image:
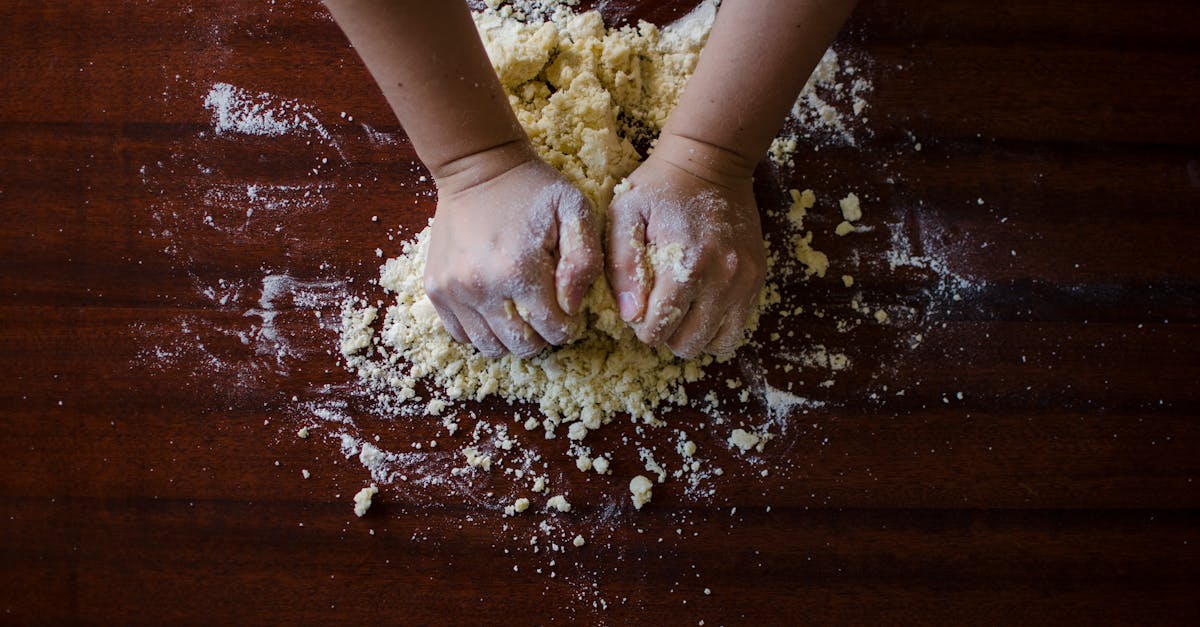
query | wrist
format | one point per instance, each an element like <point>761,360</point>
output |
<point>475,168</point>
<point>714,163</point>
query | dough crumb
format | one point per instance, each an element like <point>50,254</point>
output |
<point>851,210</point>
<point>847,280</point>
<point>642,489</point>
<point>559,503</point>
<point>746,440</point>
<point>518,506</point>
<point>579,541</point>
<point>782,151</point>
<point>362,500</point>
<point>476,460</point>
<point>802,201</point>
<point>815,261</point>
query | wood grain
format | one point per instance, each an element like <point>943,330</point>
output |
<point>144,488</point>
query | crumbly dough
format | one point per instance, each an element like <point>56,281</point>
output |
<point>669,261</point>
<point>585,94</point>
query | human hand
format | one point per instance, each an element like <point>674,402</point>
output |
<point>695,207</point>
<point>511,257</point>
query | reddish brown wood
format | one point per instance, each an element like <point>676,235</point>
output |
<point>1061,488</point>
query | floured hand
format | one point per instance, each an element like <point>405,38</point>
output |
<point>685,251</point>
<point>511,258</point>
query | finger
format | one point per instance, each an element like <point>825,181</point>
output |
<point>733,329</point>
<point>536,304</point>
<point>453,326</point>
<point>698,328</point>
<point>480,333</point>
<point>667,306</point>
<point>729,336</point>
<point>580,259</point>
<point>512,331</point>
<point>627,273</point>
<point>441,304</point>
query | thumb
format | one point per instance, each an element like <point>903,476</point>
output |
<point>627,272</point>
<point>579,256</point>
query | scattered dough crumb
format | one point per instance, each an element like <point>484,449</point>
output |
<point>851,210</point>
<point>517,507</point>
<point>362,500</point>
<point>802,201</point>
<point>642,489</point>
<point>559,503</point>
<point>475,460</point>
<point>745,440</point>
<point>578,541</point>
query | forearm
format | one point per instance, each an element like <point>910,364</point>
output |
<point>757,59</point>
<point>428,60</point>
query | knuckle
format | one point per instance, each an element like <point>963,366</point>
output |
<point>732,263</point>
<point>434,287</point>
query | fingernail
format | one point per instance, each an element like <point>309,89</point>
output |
<point>628,305</point>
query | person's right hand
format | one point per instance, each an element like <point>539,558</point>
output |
<point>512,254</point>
<point>689,196</point>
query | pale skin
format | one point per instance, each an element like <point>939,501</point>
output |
<point>514,250</point>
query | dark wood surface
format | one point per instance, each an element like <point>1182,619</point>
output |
<point>140,485</point>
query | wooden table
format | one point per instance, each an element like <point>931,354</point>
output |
<point>150,472</point>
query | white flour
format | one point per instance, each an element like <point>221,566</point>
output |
<point>236,110</point>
